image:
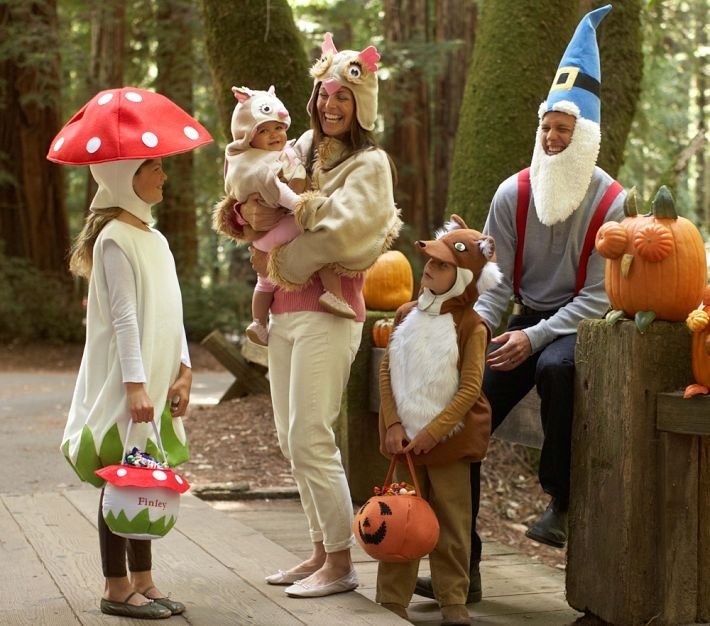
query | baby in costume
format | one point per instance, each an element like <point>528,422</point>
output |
<point>259,160</point>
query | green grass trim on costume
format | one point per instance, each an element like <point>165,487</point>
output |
<point>87,461</point>
<point>140,524</point>
<point>176,451</point>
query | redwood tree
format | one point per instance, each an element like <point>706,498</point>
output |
<point>33,218</point>
<point>176,213</point>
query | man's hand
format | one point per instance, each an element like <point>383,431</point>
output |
<point>261,217</point>
<point>515,348</point>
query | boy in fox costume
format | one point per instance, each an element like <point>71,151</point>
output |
<point>432,406</point>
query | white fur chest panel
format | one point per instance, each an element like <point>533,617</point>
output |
<point>423,359</point>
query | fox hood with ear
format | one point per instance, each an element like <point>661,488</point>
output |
<point>472,253</point>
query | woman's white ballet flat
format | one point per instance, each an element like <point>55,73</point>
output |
<point>303,589</point>
<point>287,578</point>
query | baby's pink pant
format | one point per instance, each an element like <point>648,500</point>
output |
<point>284,231</point>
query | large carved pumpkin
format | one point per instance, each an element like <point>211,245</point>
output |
<point>396,528</point>
<point>389,282</point>
<point>656,265</point>
<point>699,323</point>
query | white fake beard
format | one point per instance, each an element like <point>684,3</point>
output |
<point>560,182</point>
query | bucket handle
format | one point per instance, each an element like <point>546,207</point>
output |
<point>157,439</point>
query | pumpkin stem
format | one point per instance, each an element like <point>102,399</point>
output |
<point>630,203</point>
<point>664,205</point>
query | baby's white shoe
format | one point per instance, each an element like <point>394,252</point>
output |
<point>257,333</point>
<point>337,306</point>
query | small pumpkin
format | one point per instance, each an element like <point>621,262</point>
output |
<point>389,282</point>
<point>700,347</point>
<point>661,272</point>
<point>611,240</point>
<point>381,331</point>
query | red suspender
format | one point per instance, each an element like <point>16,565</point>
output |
<point>521,218</point>
<point>597,220</point>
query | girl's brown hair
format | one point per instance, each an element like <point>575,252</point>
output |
<point>81,257</point>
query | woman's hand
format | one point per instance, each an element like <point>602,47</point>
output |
<point>395,438</point>
<point>261,218</point>
<point>422,442</point>
<point>514,349</point>
<point>139,403</point>
<point>259,261</point>
<point>179,392</point>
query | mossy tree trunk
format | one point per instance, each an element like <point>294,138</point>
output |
<point>622,68</point>
<point>177,217</point>
<point>256,44</point>
<point>518,48</point>
<point>33,216</point>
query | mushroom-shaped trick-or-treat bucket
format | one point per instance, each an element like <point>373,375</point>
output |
<point>126,123</point>
<point>141,502</point>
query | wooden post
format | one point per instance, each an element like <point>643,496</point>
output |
<point>633,542</point>
<point>250,377</point>
<point>357,431</point>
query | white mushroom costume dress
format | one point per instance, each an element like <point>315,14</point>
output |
<point>114,133</point>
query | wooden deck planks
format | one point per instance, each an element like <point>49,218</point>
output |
<point>29,595</point>
<point>517,589</point>
<point>215,561</point>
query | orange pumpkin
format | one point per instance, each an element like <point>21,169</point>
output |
<point>389,282</point>
<point>697,322</point>
<point>397,528</point>
<point>381,331</point>
<point>660,270</point>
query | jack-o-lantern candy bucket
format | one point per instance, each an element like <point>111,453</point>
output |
<point>141,500</point>
<point>396,524</point>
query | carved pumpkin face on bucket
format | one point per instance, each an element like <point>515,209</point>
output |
<point>396,528</point>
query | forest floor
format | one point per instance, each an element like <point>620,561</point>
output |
<point>235,442</point>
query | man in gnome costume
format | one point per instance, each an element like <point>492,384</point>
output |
<point>432,406</point>
<point>544,220</point>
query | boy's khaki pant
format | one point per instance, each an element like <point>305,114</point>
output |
<point>447,489</point>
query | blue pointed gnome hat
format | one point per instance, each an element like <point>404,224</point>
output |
<point>575,89</point>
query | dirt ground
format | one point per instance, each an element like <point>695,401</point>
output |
<point>235,442</point>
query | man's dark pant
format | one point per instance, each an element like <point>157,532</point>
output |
<point>551,370</point>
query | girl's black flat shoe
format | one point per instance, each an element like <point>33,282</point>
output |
<point>150,610</point>
<point>173,606</point>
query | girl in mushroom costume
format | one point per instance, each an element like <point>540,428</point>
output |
<point>135,364</point>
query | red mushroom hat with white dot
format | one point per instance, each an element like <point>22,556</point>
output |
<point>126,123</point>
<point>129,476</point>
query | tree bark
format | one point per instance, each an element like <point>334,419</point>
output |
<point>619,37</point>
<point>33,217</point>
<point>407,100</point>
<point>176,214</point>
<point>456,22</point>
<point>270,52</point>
